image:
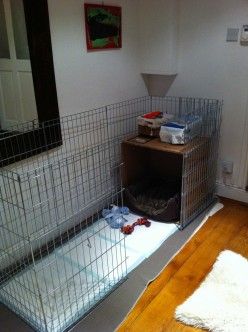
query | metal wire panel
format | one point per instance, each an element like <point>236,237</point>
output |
<point>71,273</point>
<point>200,162</point>
<point>58,256</point>
<point>64,260</point>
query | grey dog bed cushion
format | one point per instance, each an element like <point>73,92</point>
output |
<point>156,198</point>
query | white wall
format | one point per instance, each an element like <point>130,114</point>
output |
<point>210,67</point>
<point>84,79</point>
<point>158,36</point>
<point>195,32</point>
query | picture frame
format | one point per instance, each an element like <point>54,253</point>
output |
<point>102,26</point>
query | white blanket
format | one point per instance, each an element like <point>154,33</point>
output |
<point>221,301</point>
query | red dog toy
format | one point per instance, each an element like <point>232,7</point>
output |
<point>130,228</point>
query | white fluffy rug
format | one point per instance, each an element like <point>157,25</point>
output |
<point>221,301</point>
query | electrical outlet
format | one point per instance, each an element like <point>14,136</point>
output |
<point>227,167</point>
<point>232,35</point>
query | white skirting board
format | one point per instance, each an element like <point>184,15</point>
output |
<point>231,192</point>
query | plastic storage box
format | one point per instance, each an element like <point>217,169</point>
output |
<point>182,130</point>
<point>149,124</point>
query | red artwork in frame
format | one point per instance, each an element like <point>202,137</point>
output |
<point>103,26</point>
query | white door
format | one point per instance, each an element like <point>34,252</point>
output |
<point>17,100</point>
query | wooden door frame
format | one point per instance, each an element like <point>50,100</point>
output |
<point>41,57</point>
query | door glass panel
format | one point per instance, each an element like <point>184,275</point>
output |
<point>19,27</point>
<point>4,45</point>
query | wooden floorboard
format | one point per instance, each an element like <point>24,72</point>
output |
<point>228,229</point>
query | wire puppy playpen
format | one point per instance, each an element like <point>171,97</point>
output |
<point>59,257</point>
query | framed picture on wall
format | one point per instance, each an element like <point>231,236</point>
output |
<point>103,26</point>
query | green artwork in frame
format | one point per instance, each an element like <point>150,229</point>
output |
<point>103,26</point>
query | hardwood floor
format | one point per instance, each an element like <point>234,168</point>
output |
<point>228,229</point>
